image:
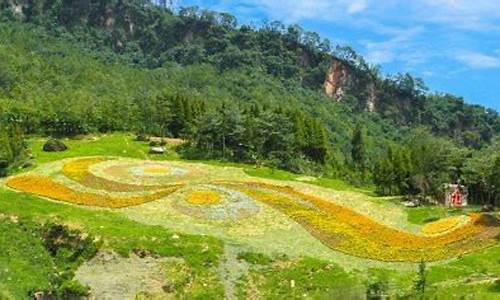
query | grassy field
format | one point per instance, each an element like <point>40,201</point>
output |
<point>213,260</point>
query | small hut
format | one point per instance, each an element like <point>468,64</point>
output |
<point>455,195</point>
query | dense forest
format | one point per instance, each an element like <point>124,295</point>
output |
<point>234,92</point>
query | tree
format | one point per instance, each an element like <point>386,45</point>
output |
<point>12,146</point>
<point>494,182</point>
<point>161,114</point>
<point>421,281</point>
<point>358,149</point>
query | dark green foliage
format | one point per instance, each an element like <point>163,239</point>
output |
<point>13,149</point>
<point>392,173</point>
<point>481,174</point>
<point>377,290</point>
<point>255,258</point>
<point>72,289</point>
<point>4,164</point>
<point>141,137</point>
<point>54,145</point>
<point>358,148</point>
<point>68,245</point>
<point>421,166</point>
<point>421,281</point>
<point>251,133</point>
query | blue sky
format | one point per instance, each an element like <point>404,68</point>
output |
<point>454,45</point>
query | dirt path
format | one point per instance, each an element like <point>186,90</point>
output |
<point>230,270</point>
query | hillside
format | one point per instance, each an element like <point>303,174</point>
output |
<point>150,36</point>
<point>295,105</point>
<point>232,232</point>
<point>152,154</point>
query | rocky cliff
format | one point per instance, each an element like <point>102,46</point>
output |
<point>337,80</point>
<point>342,78</point>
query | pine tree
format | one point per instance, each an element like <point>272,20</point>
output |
<point>358,148</point>
<point>421,281</point>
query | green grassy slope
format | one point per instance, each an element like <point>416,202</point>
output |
<point>29,263</point>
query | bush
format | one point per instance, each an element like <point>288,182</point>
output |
<point>255,258</point>
<point>72,289</point>
<point>58,237</point>
<point>53,145</point>
<point>4,164</point>
<point>141,137</point>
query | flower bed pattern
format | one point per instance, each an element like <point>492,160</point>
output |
<point>47,187</point>
<point>349,232</point>
<point>147,173</point>
<point>78,170</point>
<point>202,195</point>
<point>230,205</point>
<point>444,225</point>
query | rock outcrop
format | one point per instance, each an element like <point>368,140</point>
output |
<point>337,80</point>
<point>342,77</point>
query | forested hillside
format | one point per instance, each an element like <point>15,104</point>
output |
<point>235,92</point>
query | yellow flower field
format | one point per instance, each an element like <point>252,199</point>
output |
<point>443,225</point>
<point>78,170</point>
<point>47,187</point>
<point>203,198</point>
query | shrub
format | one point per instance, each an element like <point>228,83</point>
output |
<point>54,145</point>
<point>255,258</point>
<point>141,137</point>
<point>68,245</point>
<point>72,289</point>
<point>4,164</point>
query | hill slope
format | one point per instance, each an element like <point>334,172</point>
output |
<point>271,95</point>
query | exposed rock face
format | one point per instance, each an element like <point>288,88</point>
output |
<point>341,78</point>
<point>337,80</point>
<point>371,101</point>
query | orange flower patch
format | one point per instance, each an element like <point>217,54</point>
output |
<point>46,187</point>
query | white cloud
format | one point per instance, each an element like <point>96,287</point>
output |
<point>398,47</point>
<point>357,6</point>
<point>465,14</point>
<point>478,60</point>
<point>294,11</point>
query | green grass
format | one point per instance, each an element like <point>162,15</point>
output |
<point>118,144</point>
<point>269,173</point>
<point>307,277</point>
<point>255,258</point>
<point>25,264</point>
<point>117,233</point>
<point>426,214</point>
<point>485,263</point>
